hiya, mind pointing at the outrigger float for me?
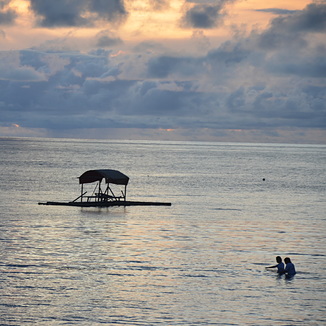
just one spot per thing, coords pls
(106, 197)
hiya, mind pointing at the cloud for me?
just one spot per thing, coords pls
(112, 11)
(217, 63)
(107, 39)
(228, 54)
(291, 29)
(164, 66)
(77, 13)
(311, 19)
(60, 12)
(204, 14)
(11, 69)
(277, 11)
(149, 47)
(66, 84)
(295, 43)
(159, 4)
(313, 65)
(7, 15)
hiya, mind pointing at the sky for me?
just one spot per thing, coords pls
(198, 70)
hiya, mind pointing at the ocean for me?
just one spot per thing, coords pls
(201, 261)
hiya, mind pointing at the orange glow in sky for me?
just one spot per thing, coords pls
(144, 22)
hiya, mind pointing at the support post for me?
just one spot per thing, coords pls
(81, 192)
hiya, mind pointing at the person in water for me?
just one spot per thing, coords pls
(289, 270)
(279, 265)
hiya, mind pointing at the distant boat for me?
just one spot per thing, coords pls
(104, 197)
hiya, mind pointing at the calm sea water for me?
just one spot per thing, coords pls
(199, 262)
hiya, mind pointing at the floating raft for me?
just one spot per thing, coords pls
(104, 197)
(106, 203)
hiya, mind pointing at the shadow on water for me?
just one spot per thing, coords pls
(226, 209)
(103, 210)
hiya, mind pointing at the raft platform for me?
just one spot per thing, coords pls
(106, 204)
(104, 197)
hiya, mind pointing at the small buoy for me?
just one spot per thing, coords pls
(263, 179)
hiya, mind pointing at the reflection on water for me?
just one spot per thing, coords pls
(199, 262)
(137, 268)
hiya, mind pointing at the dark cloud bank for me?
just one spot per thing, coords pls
(73, 12)
(275, 79)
